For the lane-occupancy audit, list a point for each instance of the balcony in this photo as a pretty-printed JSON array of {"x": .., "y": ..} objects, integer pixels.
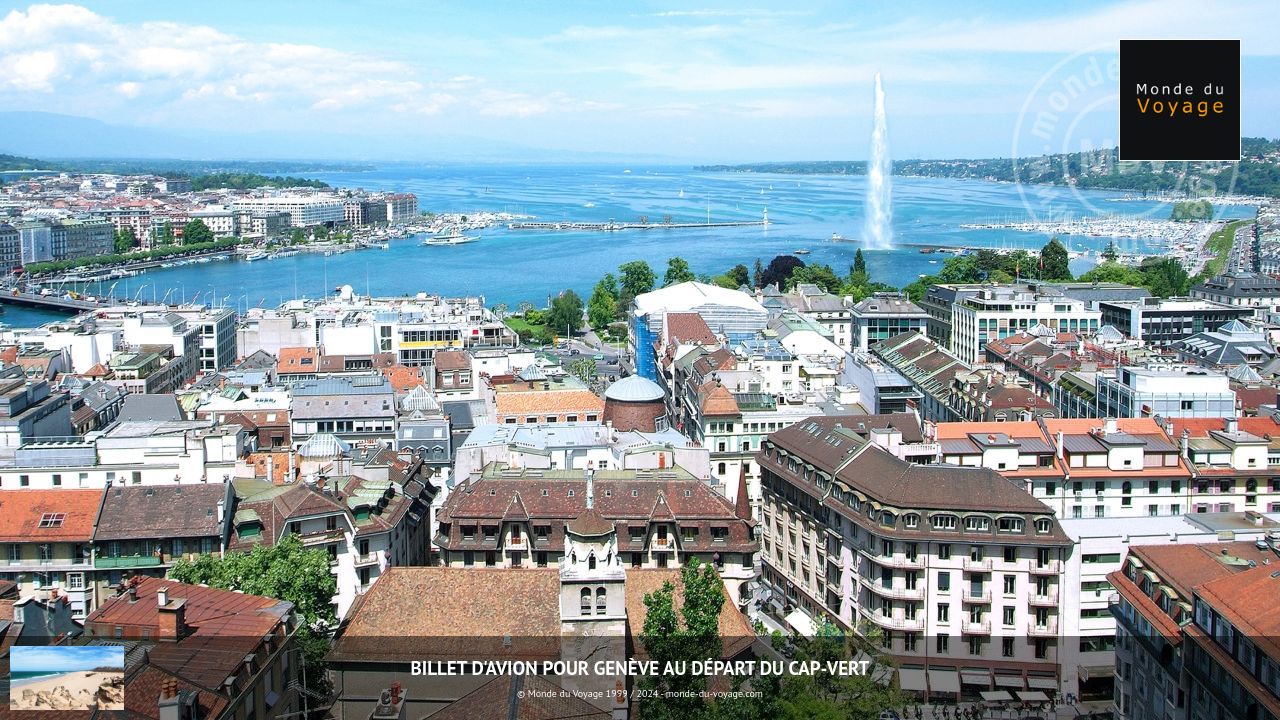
[
  {"x": 50, "y": 564},
  {"x": 976, "y": 628},
  {"x": 1043, "y": 600},
  {"x": 972, "y": 565},
  {"x": 977, "y": 596},
  {"x": 1048, "y": 628},
  {"x": 893, "y": 561},
  {"x": 896, "y": 593},
  {"x": 1052, "y": 567},
  {"x": 897, "y": 623},
  {"x": 663, "y": 544},
  {"x": 367, "y": 559},
  {"x": 517, "y": 543},
  {"x": 324, "y": 537},
  {"x": 128, "y": 561}
]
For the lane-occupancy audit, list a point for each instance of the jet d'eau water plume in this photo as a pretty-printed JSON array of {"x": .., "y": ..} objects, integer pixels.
[{"x": 877, "y": 232}]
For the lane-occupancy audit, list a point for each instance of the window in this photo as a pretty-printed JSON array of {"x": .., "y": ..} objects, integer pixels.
[
  {"x": 51, "y": 520},
  {"x": 1010, "y": 584},
  {"x": 585, "y": 602},
  {"x": 490, "y": 558},
  {"x": 1010, "y": 554},
  {"x": 24, "y": 481},
  {"x": 57, "y": 480},
  {"x": 1008, "y": 617},
  {"x": 1011, "y": 525},
  {"x": 601, "y": 602},
  {"x": 944, "y": 551},
  {"x": 1006, "y": 647},
  {"x": 944, "y": 581},
  {"x": 942, "y": 644},
  {"x": 944, "y": 613}
]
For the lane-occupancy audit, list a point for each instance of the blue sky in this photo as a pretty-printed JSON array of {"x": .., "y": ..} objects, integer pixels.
[
  {"x": 688, "y": 80},
  {"x": 64, "y": 658}
]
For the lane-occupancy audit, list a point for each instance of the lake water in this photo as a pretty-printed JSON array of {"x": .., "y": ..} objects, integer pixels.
[{"x": 515, "y": 265}]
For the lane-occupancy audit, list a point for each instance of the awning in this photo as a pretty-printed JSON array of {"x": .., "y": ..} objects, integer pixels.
[
  {"x": 911, "y": 679},
  {"x": 1033, "y": 696},
  {"x": 1044, "y": 683},
  {"x": 944, "y": 681},
  {"x": 996, "y": 696},
  {"x": 801, "y": 623},
  {"x": 975, "y": 677},
  {"x": 1014, "y": 681}
]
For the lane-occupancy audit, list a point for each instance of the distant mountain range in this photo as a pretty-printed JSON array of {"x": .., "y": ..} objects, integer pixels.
[
  {"x": 53, "y": 136},
  {"x": 1258, "y": 170}
]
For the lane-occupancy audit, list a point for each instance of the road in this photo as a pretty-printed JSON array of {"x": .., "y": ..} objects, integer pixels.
[{"x": 608, "y": 366}]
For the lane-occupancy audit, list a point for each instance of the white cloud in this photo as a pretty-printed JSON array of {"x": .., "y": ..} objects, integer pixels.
[
  {"x": 29, "y": 71},
  {"x": 129, "y": 89}
]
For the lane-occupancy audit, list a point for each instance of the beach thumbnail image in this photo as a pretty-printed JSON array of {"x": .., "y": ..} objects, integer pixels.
[{"x": 66, "y": 678}]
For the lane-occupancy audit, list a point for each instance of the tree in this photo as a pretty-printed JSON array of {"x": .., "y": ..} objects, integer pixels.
[
  {"x": 321, "y": 232},
  {"x": 1054, "y": 261},
  {"x": 667, "y": 640},
  {"x": 196, "y": 232},
  {"x": 835, "y": 695},
  {"x": 637, "y": 279},
  {"x": 565, "y": 313},
  {"x": 523, "y": 308},
  {"x": 779, "y": 271},
  {"x": 1165, "y": 277},
  {"x": 286, "y": 571},
  {"x": 602, "y": 308},
  {"x": 297, "y": 236},
  {"x": 1110, "y": 254},
  {"x": 757, "y": 274},
  {"x": 166, "y": 235},
  {"x": 677, "y": 272},
  {"x": 739, "y": 275},
  {"x": 584, "y": 368},
  {"x": 1113, "y": 272},
  {"x": 859, "y": 262},
  {"x": 821, "y": 275},
  {"x": 501, "y": 310},
  {"x": 125, "y": 241}
]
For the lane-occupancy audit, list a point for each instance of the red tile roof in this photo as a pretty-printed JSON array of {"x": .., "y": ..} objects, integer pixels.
[
  {"x": 402, "y": 378},
  {"x": 298, "y": 360},
  {"x": 684, "y": 328},
  {"x": 1200, "y": 427},
  {"x": 61, "y": 514},
  {"x": 452, "y": 360}
]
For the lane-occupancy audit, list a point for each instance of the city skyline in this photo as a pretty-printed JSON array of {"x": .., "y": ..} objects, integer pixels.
[{"x": 711, "y": 82}]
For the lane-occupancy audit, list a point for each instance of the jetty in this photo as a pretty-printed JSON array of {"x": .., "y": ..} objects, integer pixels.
[
  {"x": 614, "y": 226},
  {"x": 53, "y": 302}
]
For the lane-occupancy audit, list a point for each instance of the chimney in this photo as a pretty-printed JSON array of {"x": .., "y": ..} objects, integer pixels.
[
  {"x": 173, "y": 620},
  {"x": 391, "y": 704},
  {"x": 591, "y": 487},
  {"x": 162, "y": 595},
  {"x": 1185, "y": 443},
  {"x": 1110, "y": 426},
  {"x": 1058, "y": 449},
  {"x": 133, "y": 595},
  {"x": 1232, "y": 424}
]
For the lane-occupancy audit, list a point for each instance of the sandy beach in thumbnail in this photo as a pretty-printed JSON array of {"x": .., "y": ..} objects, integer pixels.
[{"x": 79, "y": 690}]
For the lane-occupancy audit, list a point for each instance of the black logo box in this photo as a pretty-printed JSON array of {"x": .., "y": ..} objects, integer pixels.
[{"x": 1180, "y": 65}]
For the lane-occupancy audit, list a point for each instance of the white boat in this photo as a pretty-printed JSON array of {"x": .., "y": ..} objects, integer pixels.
[
  {"x": 452, "y": 238},
  {"x": 589, "y": 205},
  {"x": 255, "y": 255},
  {"x": 802, "y": 252},
  {"x": 836, "y": 237}
]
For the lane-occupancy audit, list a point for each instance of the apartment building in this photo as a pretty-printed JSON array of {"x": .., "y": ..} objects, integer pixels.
[
  {"x": 813, "y": 303},
  {"x": 401, "y": 207},
  {"x": 882, "y": 316},
  {"x": 30, "y": 410},
  {"x": 1255, "y": 291},
  {"x": 958, "y": 568},
  {"x": 10, "y": 248},
  {"x": 1235, "y": 463},
  {"x": 352, "y": 408},
  {"x": 1163, "y": 321},
  {"x": 1132, "y": 391},
  {"x": 930, "y": 368},
  {"x": 1195, "y": 629},
  {"x": 304, "y": 210},
  {"x": 204, "y": 653},
  {"x": 48, "y": 543},
  {"x": 518, "y": 516},
  {"x": 365, "y": 523},
  {"x": 996, "y": 312}
]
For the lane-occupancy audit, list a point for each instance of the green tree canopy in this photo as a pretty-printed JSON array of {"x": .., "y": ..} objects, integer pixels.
[
  {"x": 739, "y": 275},
  {"x": 637, "y": 278},
  {"x": 565, "y": 313},
  {"x": 667, "y": 639},
  {"x": 287, "y": 571},
  {"x": 196, "y": 232},
  {"x": 1054, "y": 261},
  {"x": 677, "y": 272},
  {"x": 859, "y": 262},
  {"x": 602, "y": 308},
  {"x": 821, "y": 275},
  {"x": 125, "y": 241},
  {"x": 779, "y": 271}
]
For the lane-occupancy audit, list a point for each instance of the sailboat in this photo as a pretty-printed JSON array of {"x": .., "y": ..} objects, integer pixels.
[{"x": 681, "y": 192}]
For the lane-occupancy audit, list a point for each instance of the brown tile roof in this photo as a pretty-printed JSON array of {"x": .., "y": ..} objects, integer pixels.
[
  {"x": 451, "y": 613},
  {"x": 402, "y": 378},
  {"x": 1183, "y": 566},
  {"x": 298, "y": 360},
  {"x": 452, "y": 360},
  {"x": 163, "y": 511},
  {"x": 142, "y": 694},
  {"x": 1248, "y": 601},
  {"x": 688, "y": 328},
  {"x": 23, "y": 512},
  {"x": 717, "y": 400},
  {"x": 589, "y": 523},
  {"x": 98, "y": 371},
  {"x": 279, "y": 467},
  {"x": 224, "y": 627},
  {"x": 1200, "y": 427},
  {"x": 549, "y": 402},
  {"x": 532, "y": 697}
]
